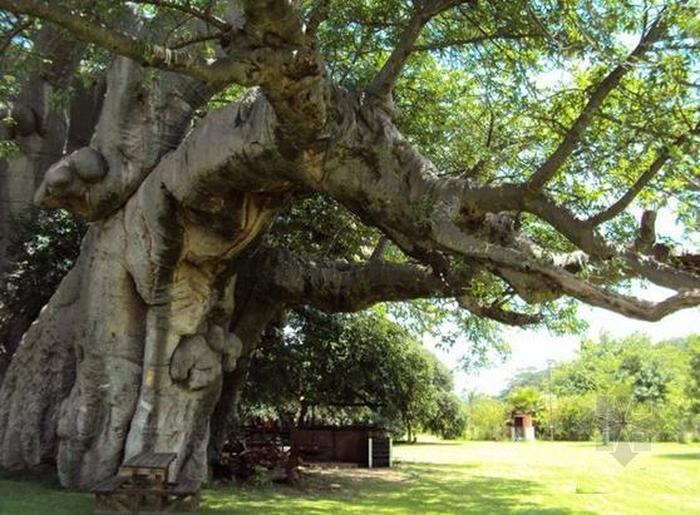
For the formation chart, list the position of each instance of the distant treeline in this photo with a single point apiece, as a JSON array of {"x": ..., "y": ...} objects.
[{"x": 626, "y": 388}]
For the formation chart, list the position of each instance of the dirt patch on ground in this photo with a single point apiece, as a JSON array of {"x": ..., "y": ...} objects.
[{"x": 335, "y": 476}]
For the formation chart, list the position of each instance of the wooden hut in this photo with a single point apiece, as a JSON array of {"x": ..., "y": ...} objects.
[{"x": 521, "y": 427}]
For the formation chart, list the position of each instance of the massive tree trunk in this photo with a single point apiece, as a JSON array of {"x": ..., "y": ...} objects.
[
  {"x": 142, "y": 322},
  {"x": 147, "y": 340},
  {"x": 145, "y": 313}
]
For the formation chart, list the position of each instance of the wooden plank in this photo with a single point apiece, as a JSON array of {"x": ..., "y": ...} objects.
[
  {"x": 188, "y": 487},
  {"x": 109, "y": 485},
  {"x": 166, "y": 458},
  {"x": 179, "y": 489},
  {"x": 116, "y": 493}
]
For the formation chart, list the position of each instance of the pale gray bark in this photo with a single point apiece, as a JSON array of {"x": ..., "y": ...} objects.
[
  {"x": 41, "y": 375},
  {"x": 40, "y": 128}
]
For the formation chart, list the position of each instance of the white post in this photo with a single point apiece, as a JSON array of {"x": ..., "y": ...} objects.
[{"x": 369, "y": 451}]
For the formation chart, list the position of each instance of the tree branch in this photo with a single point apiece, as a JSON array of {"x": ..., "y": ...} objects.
[
  {"x": 495, "y": 313},
  {"x": 318, "y": 15},
  {"x": 662, "y": 158},
  {"x": 402, "y": 194},
  {"x": 450, "y": 237},
  {"x": 188, "y": 8},
  {"x": 440, "y": 45},
  {"x": 343, "y": 287},
  {"x": 335, "y": 286},
  {"x": 555, "y": 161},
  {"x": 383, "y": 83},
  {"x": 198, "y": 38},
  {"x": 380, "y": 249},
  {"x": 221, "y": 71},
  {"x": 16, "y": 31}
]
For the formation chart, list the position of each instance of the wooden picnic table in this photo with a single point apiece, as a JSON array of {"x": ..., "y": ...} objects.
[
  {"x": 144, "y": 476},
  {"x": 149, "y": 465}
]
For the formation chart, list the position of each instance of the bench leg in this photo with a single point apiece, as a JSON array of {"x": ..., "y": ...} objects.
[{"x": 110, "y": 503}]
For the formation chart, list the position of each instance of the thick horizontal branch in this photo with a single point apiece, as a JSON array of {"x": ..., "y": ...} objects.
[
  {"x": 450, "y": 237},
  {"x": 663, "y": 271},
  {"x": 335, "y": 286},
  {"x": 399, "y": 191},
  {"x": 343, "y": 287},
  {"x": 512, "y": 197},
  {"x": 683, "y": 276}
]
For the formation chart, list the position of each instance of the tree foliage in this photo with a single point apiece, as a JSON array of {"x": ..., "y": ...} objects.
[
  {"x": 525, "y": 400},
  {"x": 599, "y": 99},
  {"x": 694, "y": 382},
  {"x": 351, "y": 369},
  {"x": 486, "y": 418},
  {"x": 43, "y": 248},
  {"x": 631, "y": 385}
]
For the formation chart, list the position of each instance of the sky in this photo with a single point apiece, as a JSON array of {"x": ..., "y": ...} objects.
[{"x": 531, "y": 348}]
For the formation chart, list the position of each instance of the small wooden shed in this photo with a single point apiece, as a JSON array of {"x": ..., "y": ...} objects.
[
  {"x": 366, "y": 446},
  {"x": 521, "y": 427}
]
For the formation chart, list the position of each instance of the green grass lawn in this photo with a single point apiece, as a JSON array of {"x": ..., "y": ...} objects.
[{"x": 446, "y": 477}]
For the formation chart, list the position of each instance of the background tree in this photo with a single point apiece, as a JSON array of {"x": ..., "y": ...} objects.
[
  {"x": 525, "y": 400},
  {"x": 450, "y": 418},
  {"x": 486, "y": 418},
  {"x": 351, "y": 369},
  {"x": 43, "y": 248},
  {"x": 629, "y": 387},
  {"x": 694, "y": 382},
  {"x": 472, "y": 178}
]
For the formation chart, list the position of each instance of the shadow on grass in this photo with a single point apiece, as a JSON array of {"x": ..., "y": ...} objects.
[
  {"x": 37, "y": 492},
  {"x": 414, "y": 488},
  {"x": 438, "y": 443},
  {"x": 410, "y": 488},
  {"x": 681, "y": 456},
  {"x": 44, "y": 477}
]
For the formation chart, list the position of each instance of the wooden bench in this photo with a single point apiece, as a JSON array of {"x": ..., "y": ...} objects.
[
  {"x": 105, "y": 496},
  {"x": 186, "y": 492}
]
